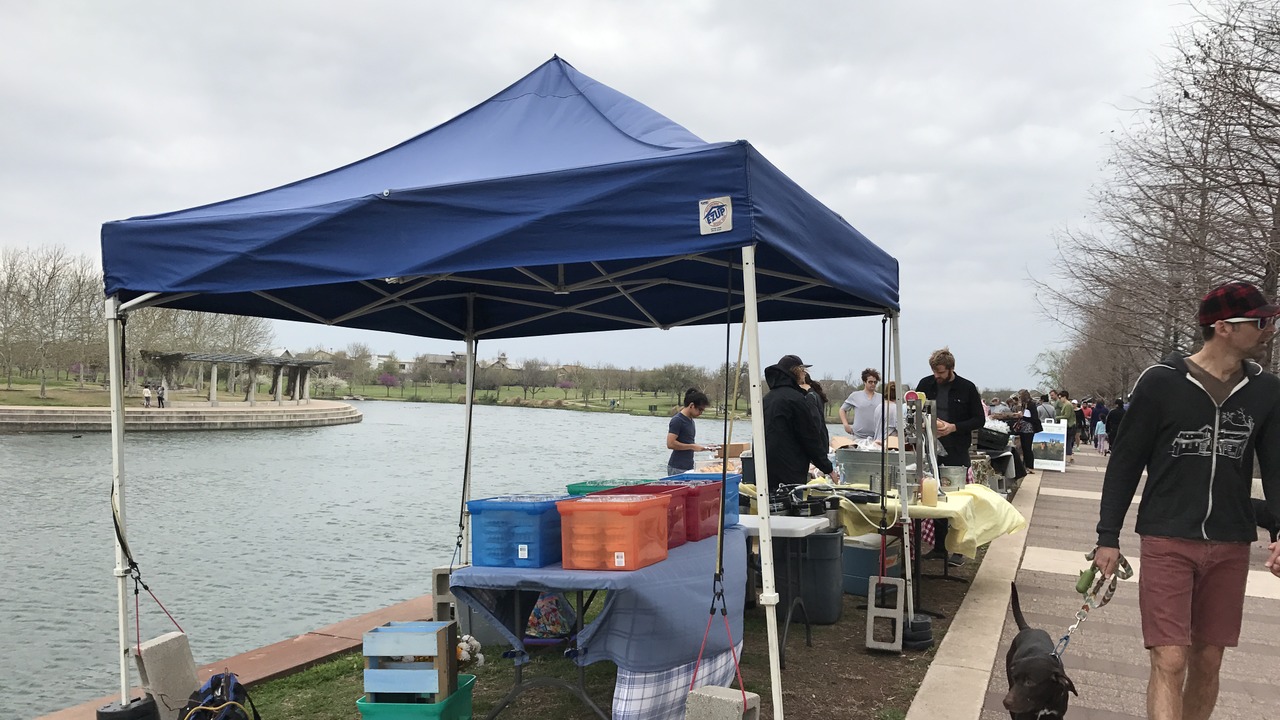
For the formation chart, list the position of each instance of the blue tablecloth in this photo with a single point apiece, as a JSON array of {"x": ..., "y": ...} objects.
[{"x": 653, "y": 618}]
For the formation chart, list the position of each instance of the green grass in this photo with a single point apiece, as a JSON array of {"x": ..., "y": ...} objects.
[
  {"x": 68, "y": 393},
  {"x": 329, "y": 691}
]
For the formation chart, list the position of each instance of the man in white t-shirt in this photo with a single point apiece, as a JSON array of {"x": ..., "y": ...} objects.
[{"x": 863, "y": 403}]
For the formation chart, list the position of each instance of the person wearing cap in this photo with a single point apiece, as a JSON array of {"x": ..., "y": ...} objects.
[
  {"x": 960, "y": 412},
  {"x": 794, "y": 434},
  {"x": 1194, "y": 425},
  {"x": 863, "y": 403}
]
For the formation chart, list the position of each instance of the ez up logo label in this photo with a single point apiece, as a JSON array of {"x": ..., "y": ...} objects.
[{"x": 715, "y": 215}]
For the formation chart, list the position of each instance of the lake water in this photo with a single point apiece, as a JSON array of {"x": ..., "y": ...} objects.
[{"x": 251, "y": 537}]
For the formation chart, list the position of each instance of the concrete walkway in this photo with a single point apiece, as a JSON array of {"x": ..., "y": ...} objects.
[
  {"x": 286, "y": 656},
  {"x": 1105, "y": 658}
]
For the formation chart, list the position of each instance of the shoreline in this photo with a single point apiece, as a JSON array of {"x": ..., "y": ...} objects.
[
  {"x": 284, "y": 657},
  {"x": 181, "y": 416}
]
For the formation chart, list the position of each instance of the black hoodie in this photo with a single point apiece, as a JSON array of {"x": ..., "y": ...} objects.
[
  {"x": 794, "y": 435},
  {"x": 1198, "y": 456}
]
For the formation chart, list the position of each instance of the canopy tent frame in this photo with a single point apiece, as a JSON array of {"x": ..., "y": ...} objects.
[{"x": 558, "y": 206}]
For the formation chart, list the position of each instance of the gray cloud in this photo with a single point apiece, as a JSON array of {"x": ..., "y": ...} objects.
[{"x": 957, "y": 136}]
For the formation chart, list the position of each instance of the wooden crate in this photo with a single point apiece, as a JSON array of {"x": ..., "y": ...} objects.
[{"x": 432, "y": 675}]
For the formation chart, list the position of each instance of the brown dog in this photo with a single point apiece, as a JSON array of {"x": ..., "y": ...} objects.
[{"x": 1038, "y": 684}]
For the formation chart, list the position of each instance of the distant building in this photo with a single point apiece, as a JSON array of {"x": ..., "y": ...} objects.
[{"x": 377, "y": 361}]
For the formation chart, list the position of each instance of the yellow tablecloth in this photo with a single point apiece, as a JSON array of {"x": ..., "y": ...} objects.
[{"x": 976, "y": 513}]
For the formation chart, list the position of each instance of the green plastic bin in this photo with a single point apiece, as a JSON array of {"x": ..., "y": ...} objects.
[
  {"x": 455, "y": 707},
  {"x": 590, "y": 486}
]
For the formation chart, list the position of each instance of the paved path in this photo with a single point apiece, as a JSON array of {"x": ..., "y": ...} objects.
[{"x": 1106, "y": 659}]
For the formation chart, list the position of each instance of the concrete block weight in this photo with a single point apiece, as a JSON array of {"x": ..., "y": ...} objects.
[
  {"x": 168, "y": 672},
  {"x": 721, "y": 703}
]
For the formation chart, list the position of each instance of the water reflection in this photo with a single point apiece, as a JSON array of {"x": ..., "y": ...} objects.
[{"x": 250, "y": 537}]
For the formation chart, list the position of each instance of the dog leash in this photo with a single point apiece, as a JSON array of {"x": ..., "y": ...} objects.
[{"x": 1091, "y": 585}]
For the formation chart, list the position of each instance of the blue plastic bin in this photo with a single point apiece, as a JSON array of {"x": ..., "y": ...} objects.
[
  {"x": 515, "y": 531},
  {"x": 730, "y": 493}
]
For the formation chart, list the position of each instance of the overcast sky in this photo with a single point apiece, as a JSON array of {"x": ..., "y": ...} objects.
[{"x": 956, "y": 136}]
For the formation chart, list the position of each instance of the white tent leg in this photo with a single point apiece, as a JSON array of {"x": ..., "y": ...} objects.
[
  {"x": 769, "y": 594},
  {"x": 466, "y": 468},
  {"x": 907, "y": 539},
  {"x": 116, "y": 382}
]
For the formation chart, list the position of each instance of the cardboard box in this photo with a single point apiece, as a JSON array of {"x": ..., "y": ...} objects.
[{"x": 735, "y": 449}]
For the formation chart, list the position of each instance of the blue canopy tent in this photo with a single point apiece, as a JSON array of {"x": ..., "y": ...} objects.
[{"x": 557, "y": 206}]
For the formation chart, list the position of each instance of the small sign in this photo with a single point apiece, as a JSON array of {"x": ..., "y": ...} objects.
[
  {"x": 715, "y": 215},
  {"x": 620, "y": 559},
  {"x": 1050, "y": 446},
  {"x": 522, "y": 552}
]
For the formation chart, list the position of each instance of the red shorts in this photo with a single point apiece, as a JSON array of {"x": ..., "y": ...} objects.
[{"x": 1192, "y": 590}]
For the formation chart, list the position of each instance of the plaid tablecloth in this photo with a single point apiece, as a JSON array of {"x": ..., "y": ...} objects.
[{"x": 662, "y": 695}]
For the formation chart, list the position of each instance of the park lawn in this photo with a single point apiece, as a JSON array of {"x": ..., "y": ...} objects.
[{"x": 69, "y": 393}]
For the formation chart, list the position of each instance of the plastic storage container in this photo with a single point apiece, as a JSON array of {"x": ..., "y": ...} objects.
[
  {"x": 515, "y": 531},
  {"x": 992, "y": 439},
  {"x": 821, "y": 583},
  {"x": 590, "y": 486},
  {"x": 861, "y": 560},
  {"x": 455, "y": 707},
  {"x": 677, "y": 514},
  {"x": 614, "y": 532},
  {"x": 731, "y": 492}
]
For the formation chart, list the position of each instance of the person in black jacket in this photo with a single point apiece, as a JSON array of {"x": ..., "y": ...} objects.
[
  {"x": 794, "y": 434},
  {"x": 1194, "y": 424},
  {"x": 1113, "y": 421},
  {"x": 960, "y": 412}
]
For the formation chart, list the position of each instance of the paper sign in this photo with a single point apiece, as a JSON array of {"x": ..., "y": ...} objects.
[
  {"x": 522, "y": 552},
  {"x": 620, "y": 559}
]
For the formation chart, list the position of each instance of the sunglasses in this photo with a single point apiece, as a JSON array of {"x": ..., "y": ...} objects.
[{"x": 1261, "y": 323}]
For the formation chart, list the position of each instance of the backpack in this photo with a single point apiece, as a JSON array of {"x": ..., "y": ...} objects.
[{"x": 222, "y": 697}]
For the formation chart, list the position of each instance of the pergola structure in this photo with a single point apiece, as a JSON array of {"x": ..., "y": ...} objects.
[{"x": 299, "y": 371}]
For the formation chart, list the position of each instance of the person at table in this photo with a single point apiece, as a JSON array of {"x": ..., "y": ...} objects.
[
  {"x": 794, "y": 435},
  {"x": 863, "y": 403},
  {"x": 959, "y": 413},
  {"x": 681, "y": 432},
  {"x": 887, "y": 414},
  {"x": 817, "y": 398},
  {"x": 1027, "y": 426}
]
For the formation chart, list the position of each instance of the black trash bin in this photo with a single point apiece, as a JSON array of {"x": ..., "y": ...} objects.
[{"x": 820, "y": 576}]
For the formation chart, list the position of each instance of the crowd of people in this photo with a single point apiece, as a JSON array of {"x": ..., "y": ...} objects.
[{"x": 1194, "y": 425}]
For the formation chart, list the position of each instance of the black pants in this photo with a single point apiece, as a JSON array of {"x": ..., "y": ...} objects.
[{"x": 1028, "y": 454}]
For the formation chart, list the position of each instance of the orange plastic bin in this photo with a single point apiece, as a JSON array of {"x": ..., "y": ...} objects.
[
  {"x": 676, "y": 513},
  {"x": 613, "y": 532}
]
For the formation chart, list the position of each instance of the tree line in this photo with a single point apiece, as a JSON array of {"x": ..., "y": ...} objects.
[
  {"x": 52, "y": 325},
  {"x": 1192, "y": 200}
]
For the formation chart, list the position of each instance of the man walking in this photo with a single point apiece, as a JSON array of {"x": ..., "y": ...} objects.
[
  {"x": 1194, "y": 424},
  {"x": 960, "y": 412}
]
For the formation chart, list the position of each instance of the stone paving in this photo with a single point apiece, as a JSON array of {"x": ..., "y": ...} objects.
[{"x": 1105, "y": 657}]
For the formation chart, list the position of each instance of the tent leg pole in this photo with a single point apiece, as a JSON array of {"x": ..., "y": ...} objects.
[
  {"x": 769, "y": 593},
  {"x": 466, "y": 470},
  {"x": 115, "y": 367},
  {"x": 895, "y": 333}
]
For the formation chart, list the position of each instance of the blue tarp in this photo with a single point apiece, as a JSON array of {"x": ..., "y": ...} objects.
[{"x": 559, "y": 205}]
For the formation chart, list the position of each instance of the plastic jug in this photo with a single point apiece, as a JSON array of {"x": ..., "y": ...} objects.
[{"x": 929, "y": 492}]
